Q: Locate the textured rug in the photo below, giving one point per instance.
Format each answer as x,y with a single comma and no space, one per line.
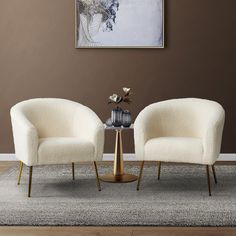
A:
180,198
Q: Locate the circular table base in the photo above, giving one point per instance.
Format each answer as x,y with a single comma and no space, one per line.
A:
125,178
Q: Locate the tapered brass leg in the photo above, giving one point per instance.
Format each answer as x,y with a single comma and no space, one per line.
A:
73,170
208,179
140,175
214,173
30,180
159,170
98,181
20,172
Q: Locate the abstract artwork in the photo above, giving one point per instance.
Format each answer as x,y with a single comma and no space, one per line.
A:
119,23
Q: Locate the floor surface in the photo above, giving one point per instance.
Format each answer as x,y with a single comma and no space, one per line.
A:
114,231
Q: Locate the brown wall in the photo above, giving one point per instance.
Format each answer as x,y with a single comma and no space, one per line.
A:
38,59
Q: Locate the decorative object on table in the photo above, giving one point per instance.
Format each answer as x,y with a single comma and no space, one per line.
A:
126,118
118,116
109,122
120,24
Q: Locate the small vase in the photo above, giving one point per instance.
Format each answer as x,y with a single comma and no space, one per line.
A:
116,117
109,122
126,119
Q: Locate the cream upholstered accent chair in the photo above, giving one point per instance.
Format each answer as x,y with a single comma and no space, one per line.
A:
56,131
187,130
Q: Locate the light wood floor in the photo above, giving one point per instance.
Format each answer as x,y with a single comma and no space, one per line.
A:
112,231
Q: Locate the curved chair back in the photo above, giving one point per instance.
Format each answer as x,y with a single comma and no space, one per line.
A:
53,117
186,117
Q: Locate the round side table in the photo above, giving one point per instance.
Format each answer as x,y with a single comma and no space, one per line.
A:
118,175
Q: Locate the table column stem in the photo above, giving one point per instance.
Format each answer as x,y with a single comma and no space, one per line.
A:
118,162
118,175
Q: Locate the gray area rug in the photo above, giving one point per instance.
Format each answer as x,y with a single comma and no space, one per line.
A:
180,198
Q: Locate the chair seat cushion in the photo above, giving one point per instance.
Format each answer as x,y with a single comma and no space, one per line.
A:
174,149
64,150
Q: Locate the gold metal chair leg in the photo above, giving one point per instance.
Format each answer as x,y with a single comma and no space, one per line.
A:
97,176
208,179
140,175
214,173
73,170
20,172
30,180
159,170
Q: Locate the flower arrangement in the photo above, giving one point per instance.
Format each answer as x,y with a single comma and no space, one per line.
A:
118,116
117,99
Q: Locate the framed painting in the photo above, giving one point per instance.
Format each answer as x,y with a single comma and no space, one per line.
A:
119,23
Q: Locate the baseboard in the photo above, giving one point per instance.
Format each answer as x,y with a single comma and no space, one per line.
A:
127,157
7,157
227,157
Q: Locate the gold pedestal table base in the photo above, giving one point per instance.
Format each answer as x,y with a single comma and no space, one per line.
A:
118,175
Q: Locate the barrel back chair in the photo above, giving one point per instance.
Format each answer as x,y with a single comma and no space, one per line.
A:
187,130
56,131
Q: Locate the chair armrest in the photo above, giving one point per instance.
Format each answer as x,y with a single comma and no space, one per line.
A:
212,138
98,141
143,131
88,126
25,138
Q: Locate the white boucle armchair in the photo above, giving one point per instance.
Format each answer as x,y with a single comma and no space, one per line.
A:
56,131
187,130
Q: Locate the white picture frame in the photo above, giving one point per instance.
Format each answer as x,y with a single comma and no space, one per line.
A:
105,37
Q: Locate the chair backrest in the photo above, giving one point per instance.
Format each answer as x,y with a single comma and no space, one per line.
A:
185,117
52,117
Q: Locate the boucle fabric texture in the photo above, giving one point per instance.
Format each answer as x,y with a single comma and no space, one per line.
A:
185,130
56,131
